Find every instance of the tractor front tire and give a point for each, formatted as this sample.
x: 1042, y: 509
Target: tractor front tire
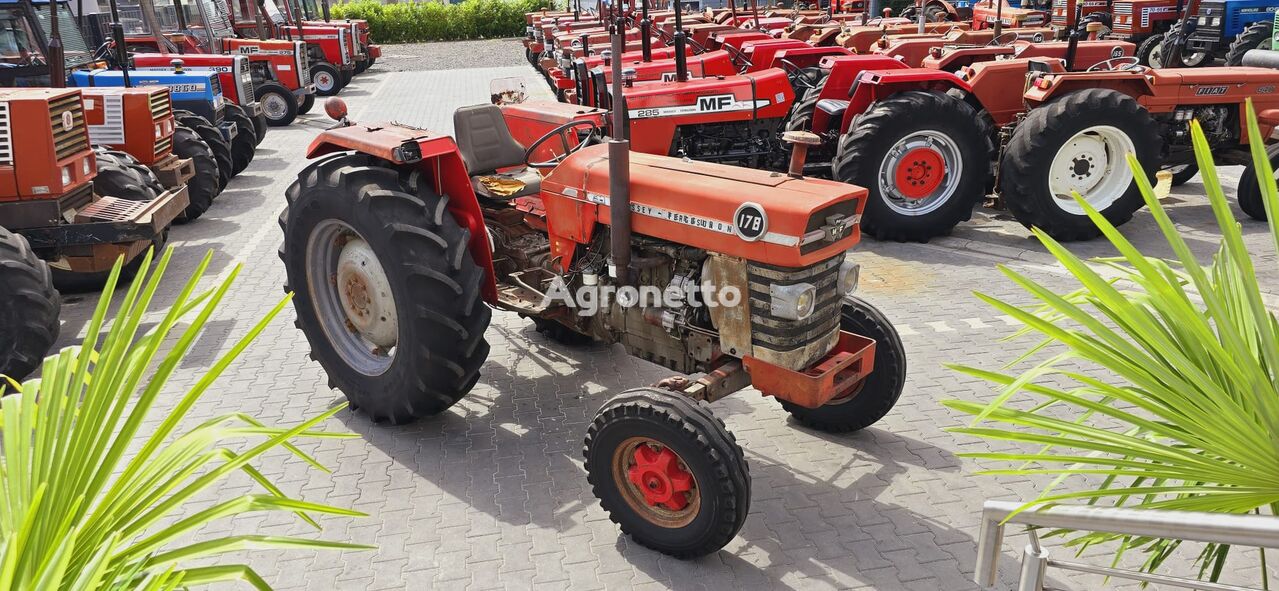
x: 1249, y: 191
x: 327, y: 79
x: 1078, y: 142
x: 924, y: 157
x: 279, y: 106
x: 206, y: 184
x: 347, y: 76
x: 1182, y: 173
x: 386, y: 289
x: 29, y: 319
x: 871, y: 399
x: 304, y: 107
x: 260, y: 126
x: 120, y: 175
x: 1254, y: 36
x: 668, y: 472
x: 245, y: 142
x: 217, y: 144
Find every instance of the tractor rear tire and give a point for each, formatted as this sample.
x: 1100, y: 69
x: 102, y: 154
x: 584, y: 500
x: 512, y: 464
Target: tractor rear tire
x: 279, y: 106
x: 305, y: 106
x: 245, y: 142
x: 29, y: 319
x: 1148, y: 48
x: 259, y: 128
x: 870, y: 400
x: 1081, y: 138
x: 353, y: 223
x: 204, y: 186
x: 930, y: 150
x: 696, y: 489
x: 217, y: 144
x: 1249, y: 192
x: 1182, y: 173
x: 801, y: 115
x: 327, y: 79
x: 1166, y: 45
x: 1254, y: 36
x: 120, y: 175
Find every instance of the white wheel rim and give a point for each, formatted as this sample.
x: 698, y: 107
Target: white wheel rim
x: 1194, y: 59
x: 324, y: 81
x: 902, y: 163
x: 274, y: 107
x: 352, y: 297
x: 1091, y: 163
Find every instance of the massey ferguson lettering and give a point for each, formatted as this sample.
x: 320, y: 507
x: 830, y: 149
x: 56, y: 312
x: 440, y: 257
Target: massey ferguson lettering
x: 720, y: 103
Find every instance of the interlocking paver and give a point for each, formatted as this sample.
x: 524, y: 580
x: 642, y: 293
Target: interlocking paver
x: 491, y: 494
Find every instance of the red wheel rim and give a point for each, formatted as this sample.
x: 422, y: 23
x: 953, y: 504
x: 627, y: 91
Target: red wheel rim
x: 920, y: 172
x: 656, y: 482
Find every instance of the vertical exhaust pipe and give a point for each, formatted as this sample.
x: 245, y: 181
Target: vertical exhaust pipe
x: 999, y: 17
x: 919, y: 5
x: 681, y: 61
x: 56, y: 57
x: 755, y: 13
x: 117, y: 36
x: 646, y: 45
x: 619, y: 172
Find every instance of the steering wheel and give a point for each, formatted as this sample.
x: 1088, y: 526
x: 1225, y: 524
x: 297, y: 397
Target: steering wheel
x: 1004, y: 40
x: 562, y: 132
x: 800, y: 78
x: 739, y: 57
x: 1117, y: 64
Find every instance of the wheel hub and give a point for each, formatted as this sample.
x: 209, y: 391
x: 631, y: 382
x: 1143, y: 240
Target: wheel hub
x: 661, y: 476
x: 920, y: 172
x: 1091, y: 163
x: 365, y: 294
x: 274, y: 107
x: 324, y: 81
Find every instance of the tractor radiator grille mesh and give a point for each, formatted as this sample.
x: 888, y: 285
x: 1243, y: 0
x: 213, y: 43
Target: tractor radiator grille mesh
x: 6, y: 144
x: 1059, y: 12
x: 66, y: 118
x: 161, y: 106
x: 163, y: 146
x: 780, y: 334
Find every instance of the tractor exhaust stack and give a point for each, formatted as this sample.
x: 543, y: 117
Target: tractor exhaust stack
x: 324, y: 5
x: 755, y: 13
x: 646, y: 45
x: 999, y: 18
x: 619, y: 171
x: 117, y: 36
x: 681, y: 61
x: 1075, y: 33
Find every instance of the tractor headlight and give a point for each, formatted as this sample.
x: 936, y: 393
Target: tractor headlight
x: 159, y: 131
x: 792, y: 302
x: 66, y: 175
x: 1216, y: 21
x: 1203, y: 21
x: 849, y: 274
x: 84, y: 167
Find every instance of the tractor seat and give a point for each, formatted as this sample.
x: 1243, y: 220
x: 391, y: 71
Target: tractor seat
x: 487, y: 146
x: 833, y: 107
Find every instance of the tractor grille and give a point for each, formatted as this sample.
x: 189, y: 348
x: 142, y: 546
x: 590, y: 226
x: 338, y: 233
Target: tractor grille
x: 6, y: 142
x: 244, y: 80
x: 1060, y: 10
x: 215, y: 85
x: 161, y: 105
x: 779, y: 334
x: 163, y: 146
x: 1209, y: 20
x: 68, y: 141
x: 1123, y: 18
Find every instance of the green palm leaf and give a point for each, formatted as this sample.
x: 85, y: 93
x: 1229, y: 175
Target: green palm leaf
x: 1188, y: 415
x: 90, y: 501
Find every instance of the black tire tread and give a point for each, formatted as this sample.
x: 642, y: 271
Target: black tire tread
x: 438, y: 277
x: 279, y: 89
x: 712, y: 438
x: 245, y: 142
x: 884, y: 118
x: 29, y: 319
x: 859, y: 317
x: 1248, y: 193
x: 120, y: 175
x: 212, y: 137
x: 205, y: 185
x: 1021, y: 173
x: 1253, y: 36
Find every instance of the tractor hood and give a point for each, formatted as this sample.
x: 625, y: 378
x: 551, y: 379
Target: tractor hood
x: 760, y: 216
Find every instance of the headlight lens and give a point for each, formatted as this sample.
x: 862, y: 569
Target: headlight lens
x: 66, y: 175
x: 792, y: 302
x: 849, y: 274
x: 84, y: 167
x: 1203, y: 20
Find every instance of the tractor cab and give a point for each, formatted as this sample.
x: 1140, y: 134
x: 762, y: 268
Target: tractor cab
x: 24, y: 37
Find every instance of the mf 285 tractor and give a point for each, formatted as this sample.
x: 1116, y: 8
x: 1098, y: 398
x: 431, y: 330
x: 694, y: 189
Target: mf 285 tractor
x: 399, y: 241
x: 331, y: 48
x: 51, y: 218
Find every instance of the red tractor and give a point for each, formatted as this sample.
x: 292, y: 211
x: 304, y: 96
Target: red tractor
x: 398, y: 242
x: 55, y: 231
x: 331, y: 48
x: 1144, y: 22
x: 273, y: 80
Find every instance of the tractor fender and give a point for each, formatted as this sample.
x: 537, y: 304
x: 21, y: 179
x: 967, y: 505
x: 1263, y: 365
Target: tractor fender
x: 950, y: 9
x: 874, y: 86
x: 1044, y: 88
x: 434, y: 155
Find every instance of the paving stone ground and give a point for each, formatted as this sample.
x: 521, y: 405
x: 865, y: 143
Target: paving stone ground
x: 491, y: 494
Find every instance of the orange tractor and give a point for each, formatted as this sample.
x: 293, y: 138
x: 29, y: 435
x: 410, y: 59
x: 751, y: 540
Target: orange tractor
x: 53, y: 223
x: 399, y: 241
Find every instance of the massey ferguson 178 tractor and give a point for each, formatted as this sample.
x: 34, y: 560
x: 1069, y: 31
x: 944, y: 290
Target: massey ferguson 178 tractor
x: 398, y: 242
x: 50, y: 217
